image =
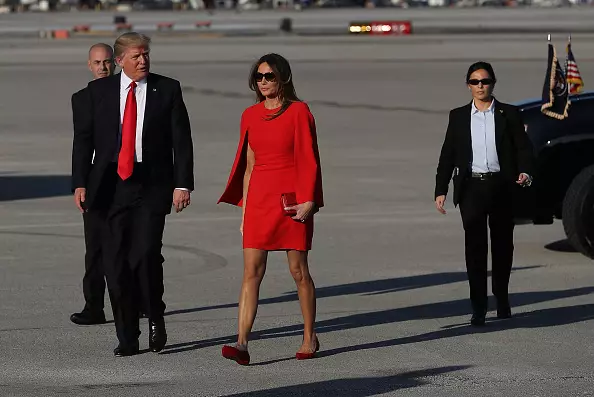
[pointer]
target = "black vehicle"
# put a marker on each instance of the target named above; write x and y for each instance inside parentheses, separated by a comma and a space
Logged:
(563, 186)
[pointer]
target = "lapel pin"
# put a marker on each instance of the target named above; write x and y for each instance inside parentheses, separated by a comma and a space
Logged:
(500, 110)
(154, 89)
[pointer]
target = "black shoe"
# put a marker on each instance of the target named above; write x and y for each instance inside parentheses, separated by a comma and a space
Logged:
(125, 351)
(88, 318)
(503, 311)
(478, 318)
(157, 335)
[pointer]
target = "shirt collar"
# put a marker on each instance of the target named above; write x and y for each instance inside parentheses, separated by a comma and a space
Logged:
(475, 110)
(125, 81)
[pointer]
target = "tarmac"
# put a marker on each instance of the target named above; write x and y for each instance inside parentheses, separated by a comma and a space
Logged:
(392, 293)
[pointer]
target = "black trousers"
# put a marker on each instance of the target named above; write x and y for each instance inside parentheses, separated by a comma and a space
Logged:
(488, 202)
(94, 278)
(134, 264)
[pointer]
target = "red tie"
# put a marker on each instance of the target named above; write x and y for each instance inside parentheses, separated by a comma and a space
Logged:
(126, 156)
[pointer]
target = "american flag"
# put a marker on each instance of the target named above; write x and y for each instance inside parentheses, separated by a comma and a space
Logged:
(574, 79)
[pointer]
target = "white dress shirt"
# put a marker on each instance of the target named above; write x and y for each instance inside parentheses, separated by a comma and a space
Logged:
(484, 148)
(140, 92)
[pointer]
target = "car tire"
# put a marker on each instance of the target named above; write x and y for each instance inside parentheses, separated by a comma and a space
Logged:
(578, 212)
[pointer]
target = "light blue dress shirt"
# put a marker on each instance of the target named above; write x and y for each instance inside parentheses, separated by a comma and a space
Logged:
(484, 148)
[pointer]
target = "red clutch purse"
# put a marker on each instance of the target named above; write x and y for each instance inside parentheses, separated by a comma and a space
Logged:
(288, 200)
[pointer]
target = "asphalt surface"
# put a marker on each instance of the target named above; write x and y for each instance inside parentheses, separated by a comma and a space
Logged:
(393, 304)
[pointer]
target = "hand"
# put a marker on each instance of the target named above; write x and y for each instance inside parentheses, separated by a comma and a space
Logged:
(80, 195)
(524, 180)
(304, 210)
(439, 202)
(181, 199)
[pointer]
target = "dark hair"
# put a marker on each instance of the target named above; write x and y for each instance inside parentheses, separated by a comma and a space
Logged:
(481, 65)
(282, 70)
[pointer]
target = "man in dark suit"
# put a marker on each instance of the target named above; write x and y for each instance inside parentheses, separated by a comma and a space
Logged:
(138, 126)
(489, 154)
(101, 64)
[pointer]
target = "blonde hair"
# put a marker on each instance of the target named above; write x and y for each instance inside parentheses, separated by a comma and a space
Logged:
(130, 39)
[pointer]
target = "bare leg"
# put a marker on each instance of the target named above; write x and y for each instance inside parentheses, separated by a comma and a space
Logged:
(307, 297)
(254, 267)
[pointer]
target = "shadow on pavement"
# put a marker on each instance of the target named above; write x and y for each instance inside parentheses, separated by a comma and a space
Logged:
(537, 319)
(560, 246)
(374, 287)
(356, 387)
(22, 187)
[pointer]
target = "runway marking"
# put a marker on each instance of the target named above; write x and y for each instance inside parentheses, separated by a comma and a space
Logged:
(211, 260)
(320, 102)
(381, 215)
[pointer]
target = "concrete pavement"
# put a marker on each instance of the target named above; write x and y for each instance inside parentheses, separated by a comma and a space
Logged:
(392, 290)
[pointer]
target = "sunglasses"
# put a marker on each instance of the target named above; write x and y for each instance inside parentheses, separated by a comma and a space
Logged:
(481, 81)
(270, 77)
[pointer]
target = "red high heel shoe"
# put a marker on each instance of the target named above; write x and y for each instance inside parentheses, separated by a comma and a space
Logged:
(307, 356)
(241, 357)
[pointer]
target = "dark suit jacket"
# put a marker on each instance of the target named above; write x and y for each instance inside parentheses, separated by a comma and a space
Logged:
(167, 151)
(514, 149)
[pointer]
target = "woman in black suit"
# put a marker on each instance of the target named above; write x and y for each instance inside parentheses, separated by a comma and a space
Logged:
(487, 151)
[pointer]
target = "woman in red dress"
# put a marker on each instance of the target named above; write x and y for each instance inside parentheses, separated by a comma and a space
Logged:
(277, 155)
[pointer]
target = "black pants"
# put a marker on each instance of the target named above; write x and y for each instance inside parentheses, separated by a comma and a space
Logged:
(94, 278)
(134, 264)
(488, 202)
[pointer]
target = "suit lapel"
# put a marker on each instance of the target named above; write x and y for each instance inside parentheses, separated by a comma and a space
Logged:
(467, 133)
(499, 118)
(113, 104)
(152, 98)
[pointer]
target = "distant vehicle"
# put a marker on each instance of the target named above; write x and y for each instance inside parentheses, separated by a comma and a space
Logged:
(563, 186)
(152, 5)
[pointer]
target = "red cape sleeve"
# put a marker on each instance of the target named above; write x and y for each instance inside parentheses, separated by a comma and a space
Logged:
(233, 193)
(307, 158)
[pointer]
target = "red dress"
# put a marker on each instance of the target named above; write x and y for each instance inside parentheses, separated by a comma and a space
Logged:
(286, 160)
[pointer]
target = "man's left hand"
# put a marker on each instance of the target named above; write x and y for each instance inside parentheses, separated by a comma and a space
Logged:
(181, 199)
(524, 180)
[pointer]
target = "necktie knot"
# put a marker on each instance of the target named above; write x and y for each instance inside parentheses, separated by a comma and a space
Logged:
(132, 85)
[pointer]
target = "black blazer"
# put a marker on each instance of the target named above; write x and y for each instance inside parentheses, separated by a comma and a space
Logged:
(514, 149)
(167, 150)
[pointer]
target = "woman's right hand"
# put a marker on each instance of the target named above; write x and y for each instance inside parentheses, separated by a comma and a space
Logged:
(439, 202)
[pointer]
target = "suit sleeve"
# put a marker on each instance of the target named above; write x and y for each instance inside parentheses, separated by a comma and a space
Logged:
(183, 150)
(447, 161)
(307, 159)
(522, 143)
(83, 144)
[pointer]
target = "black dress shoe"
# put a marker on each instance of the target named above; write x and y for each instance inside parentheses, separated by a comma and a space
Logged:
(125, 351)
(157, 335)
(503, 311)
(88, 318)
(478, 318)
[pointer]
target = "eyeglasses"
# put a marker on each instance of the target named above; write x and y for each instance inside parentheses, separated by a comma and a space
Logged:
(481, 81)
(270, 77)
